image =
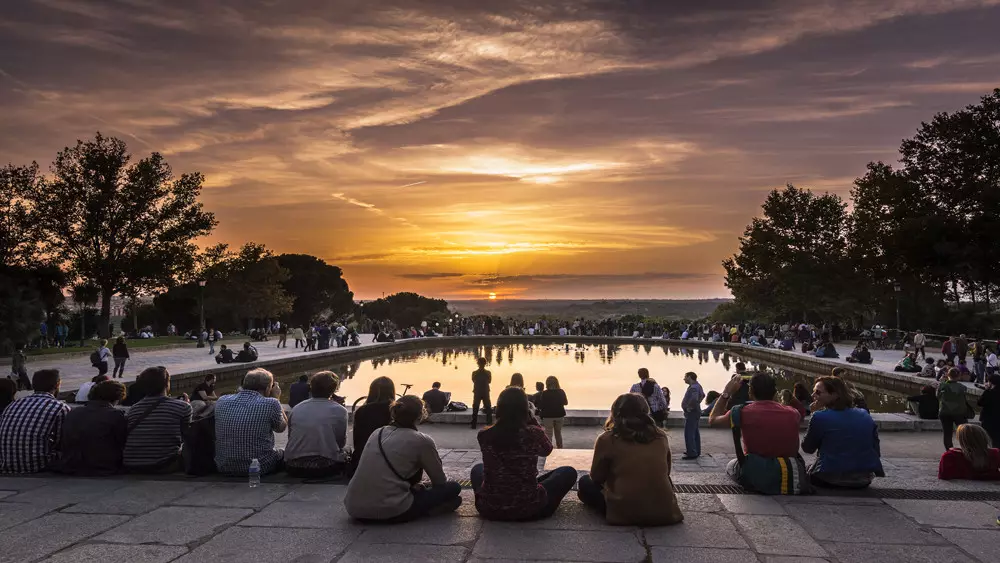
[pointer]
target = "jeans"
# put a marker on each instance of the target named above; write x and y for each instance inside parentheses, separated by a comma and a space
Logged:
(592, 494)
(948, 425)
(487, 406)
(553, 429)
(436, 500)
(979, 368)
(102, 367)
(692, 434)
(211, 346)
(119, 370)
(557, 483)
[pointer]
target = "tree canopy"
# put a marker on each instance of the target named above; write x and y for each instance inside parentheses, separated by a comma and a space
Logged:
(319, 289)
(404, 309)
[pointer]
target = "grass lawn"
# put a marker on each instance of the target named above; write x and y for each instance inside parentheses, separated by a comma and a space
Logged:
(133, 344)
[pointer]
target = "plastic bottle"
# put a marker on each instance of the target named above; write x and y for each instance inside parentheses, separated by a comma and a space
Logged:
(254, 473)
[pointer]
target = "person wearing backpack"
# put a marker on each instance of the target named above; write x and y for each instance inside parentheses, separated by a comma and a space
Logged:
(99, 358)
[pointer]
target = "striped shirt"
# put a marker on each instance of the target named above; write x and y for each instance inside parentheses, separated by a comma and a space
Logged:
(245, 424)
(30, 429)
(157, 438)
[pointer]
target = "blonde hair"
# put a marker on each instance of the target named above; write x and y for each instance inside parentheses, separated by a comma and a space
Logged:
(785, 397)
(975, 443)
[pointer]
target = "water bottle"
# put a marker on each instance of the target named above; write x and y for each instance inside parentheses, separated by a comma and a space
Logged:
(254, 473)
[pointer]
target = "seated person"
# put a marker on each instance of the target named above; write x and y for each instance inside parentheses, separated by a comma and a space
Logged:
(205, 391)
(317, 431)
(629, 481)
(929, 372)
(31, 427)
(787, 343)
(845, 437)
(924, 405)
(908, 364)
(788, 399)
(826, 350)
(225, 355)
(964, 374)
(245, 423)
(802, 395)
(299, 391)
(93, 436)
(247, 354)
(506, 483)
(770, 437)
(84, 391)
(155, 425)
(807, 346)
(975, 460)
(436, 399)
(710, 399)
(387, 485)
(860, 355)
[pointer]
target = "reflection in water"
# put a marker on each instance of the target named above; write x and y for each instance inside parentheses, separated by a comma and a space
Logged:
(592, 374)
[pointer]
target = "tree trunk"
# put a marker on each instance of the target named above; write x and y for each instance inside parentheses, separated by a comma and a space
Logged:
(135, 315)
(102, 328)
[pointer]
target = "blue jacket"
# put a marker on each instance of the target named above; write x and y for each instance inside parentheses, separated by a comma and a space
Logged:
(847, 441)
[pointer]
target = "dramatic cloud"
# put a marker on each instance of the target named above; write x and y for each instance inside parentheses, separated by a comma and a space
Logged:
(533, 148)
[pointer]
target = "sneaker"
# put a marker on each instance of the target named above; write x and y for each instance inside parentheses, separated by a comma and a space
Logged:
(689, 457)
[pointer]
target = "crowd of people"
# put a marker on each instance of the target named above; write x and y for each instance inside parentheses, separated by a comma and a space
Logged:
(629, 479)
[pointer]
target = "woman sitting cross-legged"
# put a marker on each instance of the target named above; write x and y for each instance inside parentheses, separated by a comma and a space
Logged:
(975, 460)
(845, 437)
(387, 485)
(507, 484)
(629, 481)
(317, 431)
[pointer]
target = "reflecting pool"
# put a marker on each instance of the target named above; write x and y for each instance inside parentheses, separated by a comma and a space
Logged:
(592, 374)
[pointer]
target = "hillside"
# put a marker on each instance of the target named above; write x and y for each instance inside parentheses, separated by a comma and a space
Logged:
(569, 309)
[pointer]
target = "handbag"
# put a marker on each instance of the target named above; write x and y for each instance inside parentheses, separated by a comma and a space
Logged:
(145, 413)
(416, 478)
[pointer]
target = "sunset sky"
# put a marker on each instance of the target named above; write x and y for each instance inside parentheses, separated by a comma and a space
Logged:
(536, 149)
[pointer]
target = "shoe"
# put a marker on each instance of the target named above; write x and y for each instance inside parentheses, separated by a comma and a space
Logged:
(689, 457)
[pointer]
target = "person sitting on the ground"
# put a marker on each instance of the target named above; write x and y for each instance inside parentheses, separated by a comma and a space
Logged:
(205, 391)
(975, 460)
(317, 431)
(84, 391)
(436, 399)
(245, 423)
(506, 483)
(768, 457)
(156, 425)
(247, 354)
(785, 397)
(31, 427)
(225, 355)
(299, 391)
(93, 436)
(372, 415)
(710, 399)
(787, 342)
(826, 349)
(802, 395)
(860, 355)
(629, 481)
(924, 405)
(929, 372)
(908, 364)
(964, 373)
(845, 437)
(387, 485)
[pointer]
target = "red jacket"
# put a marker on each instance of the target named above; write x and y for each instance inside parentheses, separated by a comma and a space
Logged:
(954, 465)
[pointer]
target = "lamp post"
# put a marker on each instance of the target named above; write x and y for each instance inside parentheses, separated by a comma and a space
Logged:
(201, 303)
(897, 289)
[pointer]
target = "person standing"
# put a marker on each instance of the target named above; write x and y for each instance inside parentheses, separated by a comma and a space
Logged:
(120, 353)
(553, 410)
(282, 335)
(691, 405)
(211, 341)
(954, 410)
(658, 403)
(989, 413)
(919, 344)
(101, 357)
(18, 363)
(481, 379)
(962, 347)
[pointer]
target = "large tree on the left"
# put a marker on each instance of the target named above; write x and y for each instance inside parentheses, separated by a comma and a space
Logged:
(120, 225)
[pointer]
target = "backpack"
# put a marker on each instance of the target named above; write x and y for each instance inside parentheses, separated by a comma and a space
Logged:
(198, 451)
(456, 406)
(95, 358)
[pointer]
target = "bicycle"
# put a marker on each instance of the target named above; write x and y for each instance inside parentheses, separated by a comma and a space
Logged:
(360, 400)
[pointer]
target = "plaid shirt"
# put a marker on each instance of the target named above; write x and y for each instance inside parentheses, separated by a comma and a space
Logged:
(657, 401)
(245, 424)
(30, 429)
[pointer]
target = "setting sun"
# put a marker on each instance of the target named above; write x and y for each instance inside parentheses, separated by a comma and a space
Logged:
(493, 295)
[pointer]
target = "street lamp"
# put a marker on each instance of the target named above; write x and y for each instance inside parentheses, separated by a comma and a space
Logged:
(898, 289)
(201, 302)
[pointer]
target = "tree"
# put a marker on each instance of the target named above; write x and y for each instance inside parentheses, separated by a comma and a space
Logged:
(85, 295)
(19, 235)
(245, 285)
(120, 226)
(792, 262)
(318, 288)
(404, 309)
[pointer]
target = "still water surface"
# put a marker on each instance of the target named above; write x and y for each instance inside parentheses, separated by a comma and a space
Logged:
(592, 374)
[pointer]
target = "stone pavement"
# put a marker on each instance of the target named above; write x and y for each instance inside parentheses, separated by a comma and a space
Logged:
(126, 519)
